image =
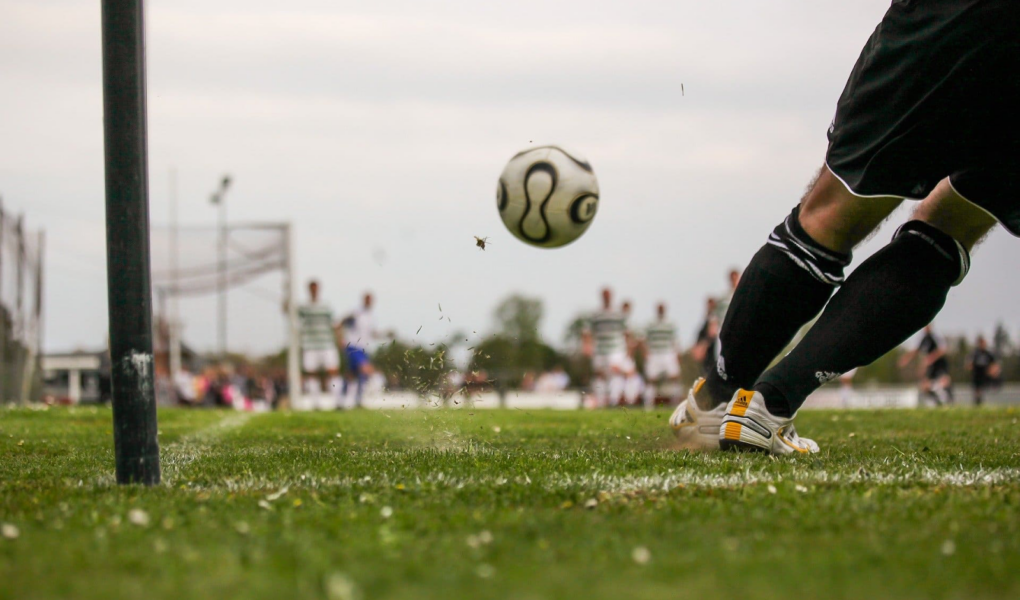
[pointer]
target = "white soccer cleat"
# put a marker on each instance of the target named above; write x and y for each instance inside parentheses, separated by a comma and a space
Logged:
(696, 428)
(748, 425)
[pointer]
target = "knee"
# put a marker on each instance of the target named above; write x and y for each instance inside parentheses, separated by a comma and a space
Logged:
(945, 245)
(822, 214)
(954, 216)
(836, 218)
(822, 264)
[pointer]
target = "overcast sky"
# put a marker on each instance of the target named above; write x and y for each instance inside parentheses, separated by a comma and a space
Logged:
(379, 128)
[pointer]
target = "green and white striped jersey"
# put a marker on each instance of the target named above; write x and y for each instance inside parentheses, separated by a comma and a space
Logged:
(316, 327)
(608, 328)
(660, 337)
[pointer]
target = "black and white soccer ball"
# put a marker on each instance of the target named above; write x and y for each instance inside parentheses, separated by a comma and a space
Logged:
(547, 196)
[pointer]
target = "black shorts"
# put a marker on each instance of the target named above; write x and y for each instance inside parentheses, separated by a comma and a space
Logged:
(935, 94)
(937, 369)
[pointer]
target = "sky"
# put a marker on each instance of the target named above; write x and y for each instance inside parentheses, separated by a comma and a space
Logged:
(378, 130)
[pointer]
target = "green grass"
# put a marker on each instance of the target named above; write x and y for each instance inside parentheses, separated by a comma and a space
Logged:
(461, 504)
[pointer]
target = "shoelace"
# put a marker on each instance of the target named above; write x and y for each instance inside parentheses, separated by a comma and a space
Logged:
(790, 433)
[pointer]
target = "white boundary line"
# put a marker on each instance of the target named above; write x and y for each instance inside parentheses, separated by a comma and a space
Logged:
(598, 482)
(177, 455)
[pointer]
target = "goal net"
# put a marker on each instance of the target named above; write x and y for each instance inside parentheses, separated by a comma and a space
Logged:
(21, 289)
(220, 298)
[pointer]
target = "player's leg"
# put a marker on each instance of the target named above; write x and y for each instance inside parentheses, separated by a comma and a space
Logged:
(330, 364)
(617, 382)
(789, 280)
(672, 382)
(634, 384)
(653, 380)
(365, 371)
(927, 390)
(311, 384)
(599, 388)
(946, 386)
(893, 294)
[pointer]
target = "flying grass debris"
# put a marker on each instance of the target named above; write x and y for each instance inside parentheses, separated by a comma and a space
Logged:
(138, 517)
(641, 555)
(9, 531)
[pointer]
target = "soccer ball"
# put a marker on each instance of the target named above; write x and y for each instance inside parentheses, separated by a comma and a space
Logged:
(547, 196)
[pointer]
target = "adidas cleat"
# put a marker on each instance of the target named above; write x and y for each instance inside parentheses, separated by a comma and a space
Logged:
(748, 425)
(694, 427)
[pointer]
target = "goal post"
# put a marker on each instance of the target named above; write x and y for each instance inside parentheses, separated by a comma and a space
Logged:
(294, 387)
(188, 270)
(127, 242)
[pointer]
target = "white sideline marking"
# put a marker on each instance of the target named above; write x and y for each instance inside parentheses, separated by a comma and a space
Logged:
(174, 457)
(596, 481)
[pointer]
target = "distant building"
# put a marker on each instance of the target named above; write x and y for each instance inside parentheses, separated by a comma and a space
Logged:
(76, 377)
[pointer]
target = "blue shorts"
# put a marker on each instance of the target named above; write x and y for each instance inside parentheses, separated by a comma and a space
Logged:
(356, 357)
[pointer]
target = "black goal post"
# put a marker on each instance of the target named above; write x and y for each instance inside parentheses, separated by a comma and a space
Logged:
(127, 242)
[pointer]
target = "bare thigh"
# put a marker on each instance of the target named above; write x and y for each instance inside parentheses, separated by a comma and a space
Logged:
(839, 220)
(952, 214)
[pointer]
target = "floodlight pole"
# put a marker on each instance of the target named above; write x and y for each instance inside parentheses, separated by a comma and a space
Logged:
(127, 242)
(219, 198)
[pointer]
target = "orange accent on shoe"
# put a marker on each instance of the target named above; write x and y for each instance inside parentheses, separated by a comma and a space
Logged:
(742, 402)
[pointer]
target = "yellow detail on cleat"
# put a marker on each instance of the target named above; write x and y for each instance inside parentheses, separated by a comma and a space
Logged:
(783, 439)
(742, 402)
(732, 431)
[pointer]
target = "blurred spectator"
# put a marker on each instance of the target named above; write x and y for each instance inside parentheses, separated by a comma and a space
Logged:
(555, 380)
(704, 350)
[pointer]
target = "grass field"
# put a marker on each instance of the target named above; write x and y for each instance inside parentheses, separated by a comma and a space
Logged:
(490, 504)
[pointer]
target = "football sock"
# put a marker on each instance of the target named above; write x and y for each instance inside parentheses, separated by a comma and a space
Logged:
(360, 389)
(890, 296)
(786, 284)
(946, 394)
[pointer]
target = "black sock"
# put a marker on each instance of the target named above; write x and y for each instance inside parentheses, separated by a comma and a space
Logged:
(890, 296)
(787, 282)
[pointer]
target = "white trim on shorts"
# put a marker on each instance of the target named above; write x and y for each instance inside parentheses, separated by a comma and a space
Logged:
(983, 209)
(851, 190)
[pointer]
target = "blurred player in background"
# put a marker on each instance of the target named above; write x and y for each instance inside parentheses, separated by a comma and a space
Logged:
(723, 305)
(633, 383)
(704, 349)
(984, 369)
(606, 336)
(359, 331)
(935, 380)
(927, 114)
(319, 350)
(662, 362)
